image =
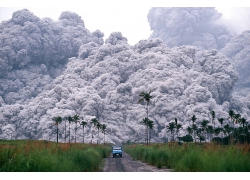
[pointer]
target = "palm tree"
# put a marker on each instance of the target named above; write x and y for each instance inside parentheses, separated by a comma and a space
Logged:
(195, 128)
(145, 97)
(83, 124)
(150, 126)
(199, 134)
(178, 127)
(231, 115)
(145, 123)
(213, 117)
(228, 130)
(57, 120)
(93, 121)
(221, 120)
(65, 119)
(237, 118)
(210, 130)
(243, 121)
(204, 124)
(217, 131)
(70, 119)
(189, 131)
(98, 127)
(103, 129)
(171, 127)
(75, 119)
(193, 119)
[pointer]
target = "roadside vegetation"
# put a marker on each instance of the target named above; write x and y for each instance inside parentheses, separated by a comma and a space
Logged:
(190, 157)
(45, 156)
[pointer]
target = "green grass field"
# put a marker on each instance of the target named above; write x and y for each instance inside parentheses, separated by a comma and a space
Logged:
(44, 156)
(194, 157)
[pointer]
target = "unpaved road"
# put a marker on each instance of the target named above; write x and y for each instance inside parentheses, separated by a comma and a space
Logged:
(126, 164)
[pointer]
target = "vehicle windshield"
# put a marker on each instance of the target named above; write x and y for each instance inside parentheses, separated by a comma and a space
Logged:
(117, 148)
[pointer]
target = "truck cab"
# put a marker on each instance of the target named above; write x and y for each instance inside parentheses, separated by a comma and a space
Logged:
(117, 151)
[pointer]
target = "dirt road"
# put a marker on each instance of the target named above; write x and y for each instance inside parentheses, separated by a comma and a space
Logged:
(126, 164)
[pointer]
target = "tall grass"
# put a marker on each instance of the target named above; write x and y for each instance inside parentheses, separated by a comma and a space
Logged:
(43, 156)
(194, 158)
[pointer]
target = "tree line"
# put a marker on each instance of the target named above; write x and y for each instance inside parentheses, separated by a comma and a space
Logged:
(234, 129)
(75, 119)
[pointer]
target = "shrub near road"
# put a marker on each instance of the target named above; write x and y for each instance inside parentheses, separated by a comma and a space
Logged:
(43, 156)
(194, 158)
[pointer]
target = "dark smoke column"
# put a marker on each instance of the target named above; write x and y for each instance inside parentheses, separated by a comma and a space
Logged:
(196, 26)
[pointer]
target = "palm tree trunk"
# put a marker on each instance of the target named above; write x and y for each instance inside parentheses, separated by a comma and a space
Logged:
(69, 132)
(75, 132)
(149, 136)
(57, 134)
(65, 132)
(92, 137)
(83, 134)
(205, 135)
(97, 136)
(104, 138)
(194, 138)
(146, 135)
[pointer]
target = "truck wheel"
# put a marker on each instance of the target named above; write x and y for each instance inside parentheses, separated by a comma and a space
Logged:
(113, 156)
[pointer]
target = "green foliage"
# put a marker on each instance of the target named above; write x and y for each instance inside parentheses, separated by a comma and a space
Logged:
(42, 156)
(144, 96)
(187, 138)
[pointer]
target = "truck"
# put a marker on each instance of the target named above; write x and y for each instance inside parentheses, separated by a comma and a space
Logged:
(117, 151)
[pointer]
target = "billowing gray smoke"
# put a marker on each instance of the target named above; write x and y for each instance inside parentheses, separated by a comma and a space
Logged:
(238, 50)
(195, 26)
(33, 51)
(205, 29)
(104, 80)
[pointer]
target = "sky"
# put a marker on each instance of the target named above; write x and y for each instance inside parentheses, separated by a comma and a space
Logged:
(128, 17)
